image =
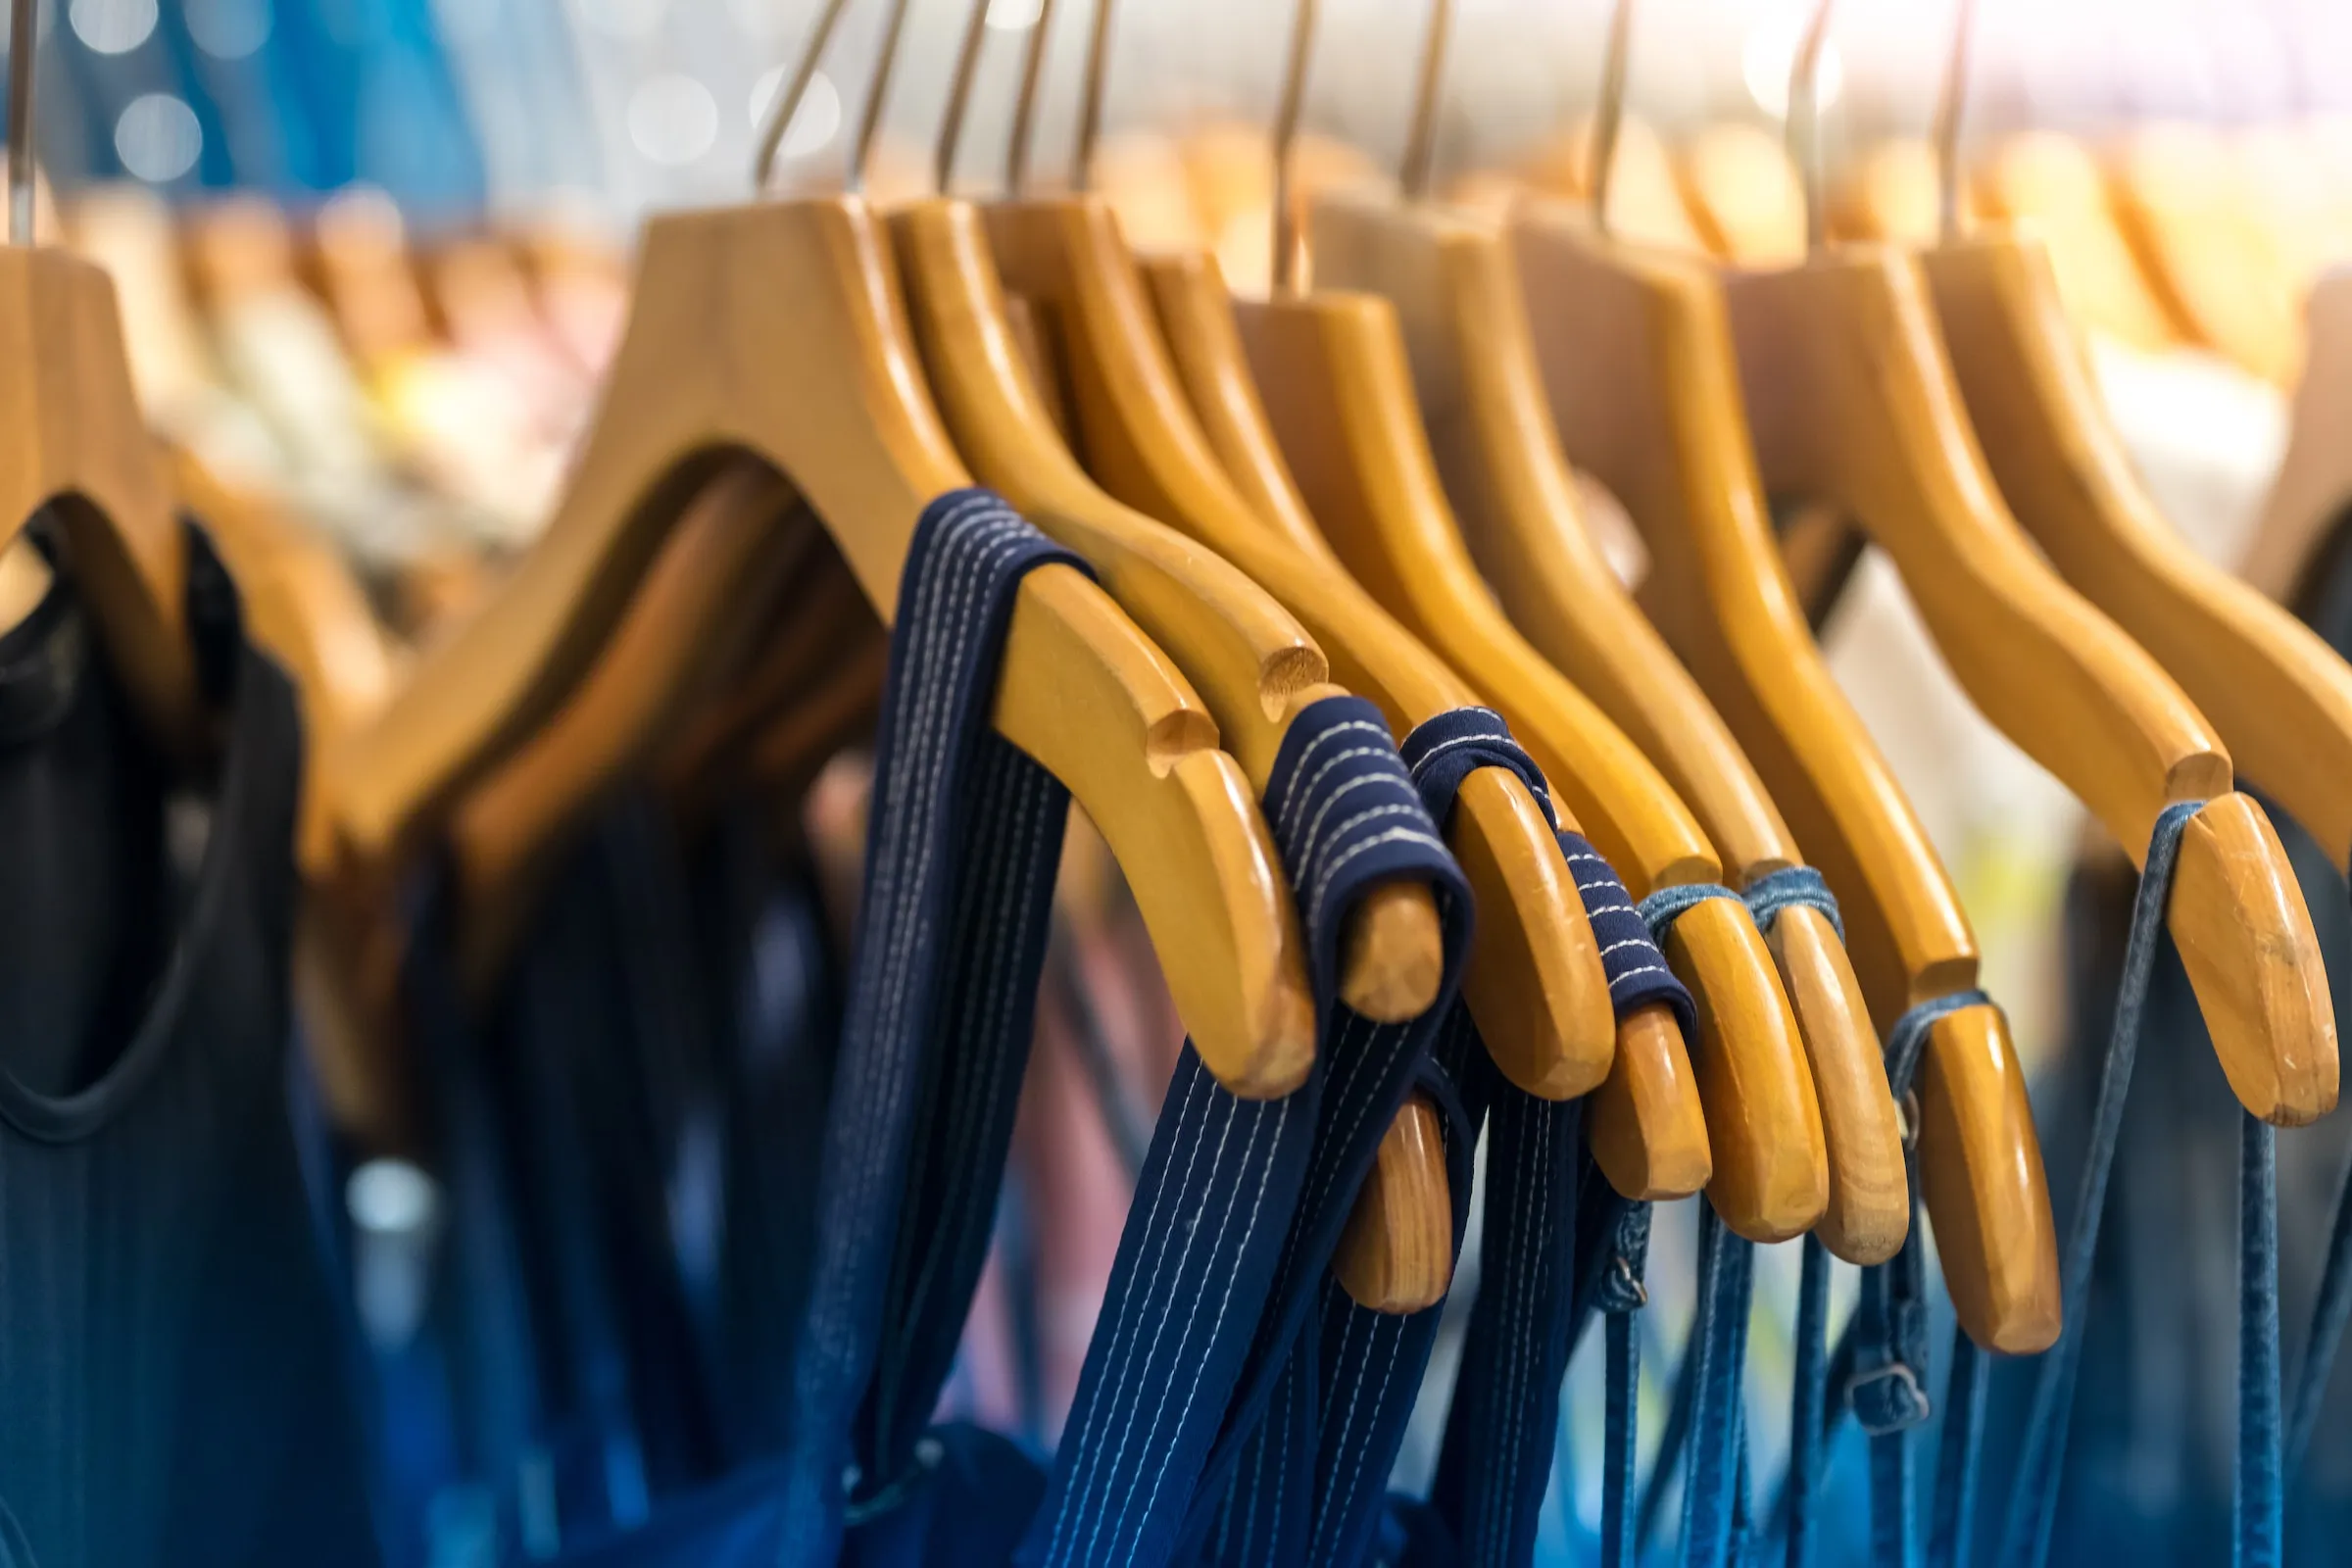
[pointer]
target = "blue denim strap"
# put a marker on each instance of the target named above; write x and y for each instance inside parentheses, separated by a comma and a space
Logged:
(1808, 1399)
(2041, 1447)
(1494, 1464)
(2329, 1312)
(1620, 1293)
(1960, 1452)
(2259, 1519)
(1242, 1202)
(1712, 1504)
(962, 844)
(1791, 887)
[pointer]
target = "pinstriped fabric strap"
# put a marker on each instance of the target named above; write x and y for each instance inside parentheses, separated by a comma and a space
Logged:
(1495, 1461)
(964, 837)
(1240, 1203)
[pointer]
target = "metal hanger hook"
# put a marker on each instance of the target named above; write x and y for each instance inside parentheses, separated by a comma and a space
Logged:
(1804, 121)
(1421, 136)
(960, 97)
(1609, 117)
(1090, 107)
(23, 28)
(1286, 136)
(1952, 100)
(1024, 107)
(788, 102)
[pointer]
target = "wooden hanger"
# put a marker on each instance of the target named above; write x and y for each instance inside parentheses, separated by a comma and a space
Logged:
(2054, 183)
(1546, 997)
(1744, 194)
(773, 331)
(2184, 206)
(2280, 697)
(1851, 401)
(1340, 397)
(77, 447)
(1456, 294)
(1663, 1154)
(2313, 489)
(729, 550)
(1257, 665)
(1634, 352)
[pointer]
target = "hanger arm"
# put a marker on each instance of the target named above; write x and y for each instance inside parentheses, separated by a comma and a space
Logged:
(1852, 402)
(2280, 697)
(77, 441)
(1457, 293)
(1649, 1126)
(1340, 397)
(773, 331)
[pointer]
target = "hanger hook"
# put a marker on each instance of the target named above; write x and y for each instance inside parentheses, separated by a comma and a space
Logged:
(1286, 134)
(1421, 138)
(1952, 100)
(877, 97)
(788, 102)
(22, 40)
(1609, 117)
(960, 97)
(1024, 105)
(1090, 109)
(1804, 121)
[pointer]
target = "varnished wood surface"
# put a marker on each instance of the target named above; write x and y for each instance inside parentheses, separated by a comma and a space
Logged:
(2280, 697)
(1851, 400)
(72, 439)
(1339, 393)
(1392, 956)
(775, 331)
(1456, 291)
(1636, 353)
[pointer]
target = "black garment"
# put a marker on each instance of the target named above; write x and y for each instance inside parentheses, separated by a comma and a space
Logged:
(171, 1385)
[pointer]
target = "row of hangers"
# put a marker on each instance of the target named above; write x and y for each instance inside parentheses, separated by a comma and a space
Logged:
(1364, 482)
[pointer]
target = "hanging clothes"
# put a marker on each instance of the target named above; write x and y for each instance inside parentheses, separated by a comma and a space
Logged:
(170, 1356)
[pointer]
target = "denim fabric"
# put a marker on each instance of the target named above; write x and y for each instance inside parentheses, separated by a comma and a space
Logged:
(962, 840)
(1496, 1460)
(1211, 1326)
(2032, 1501)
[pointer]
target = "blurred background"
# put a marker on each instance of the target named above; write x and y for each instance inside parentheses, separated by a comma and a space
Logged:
(373, 252)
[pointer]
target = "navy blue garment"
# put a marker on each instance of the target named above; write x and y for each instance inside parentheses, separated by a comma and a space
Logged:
(172, 1367)
(964, 837)
(1208, 1334)
(570, 1117)
(1495, 1462)
(771, 966)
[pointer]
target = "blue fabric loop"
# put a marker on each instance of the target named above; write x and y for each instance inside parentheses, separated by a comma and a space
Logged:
(1665, 906)
(1791, 887)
